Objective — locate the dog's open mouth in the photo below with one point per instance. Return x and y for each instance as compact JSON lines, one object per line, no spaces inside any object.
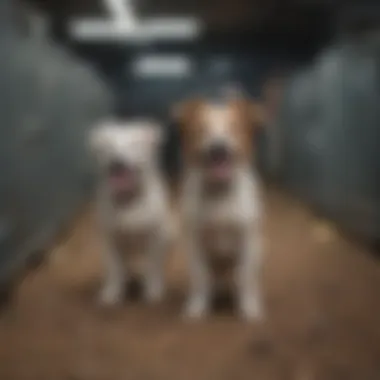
{"x":220,"y":171}
{"x":219,"y":165}
{"x":122,"y":179}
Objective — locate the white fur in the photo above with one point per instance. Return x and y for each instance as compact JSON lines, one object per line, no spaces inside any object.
{"x":135,"y":142}
{"x":240,"y":206}
{"x":218,"y":120}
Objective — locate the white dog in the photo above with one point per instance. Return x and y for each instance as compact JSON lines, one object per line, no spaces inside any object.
{"x":221,"y":202}
{"x":134,"y":207}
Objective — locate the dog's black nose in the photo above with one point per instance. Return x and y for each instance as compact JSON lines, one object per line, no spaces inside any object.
{"x":218,"y":151}
{"x":116,"y":166}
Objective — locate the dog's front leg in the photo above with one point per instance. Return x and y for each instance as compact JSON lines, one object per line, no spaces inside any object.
{"x":112,"y":291}
{"x":199,"y":300}
{"x":248,"y":275}
{"x":155,"y":274}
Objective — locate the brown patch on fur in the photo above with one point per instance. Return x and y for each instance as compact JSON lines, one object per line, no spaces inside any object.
{"x":188,"y":115}
{"x":245,"y":119}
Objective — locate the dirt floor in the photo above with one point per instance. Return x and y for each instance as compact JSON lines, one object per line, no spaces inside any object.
{"x":323,"y":317}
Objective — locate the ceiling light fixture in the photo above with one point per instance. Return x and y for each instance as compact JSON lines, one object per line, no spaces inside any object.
{"x":153,"y":66}
{"x":122,"y":24}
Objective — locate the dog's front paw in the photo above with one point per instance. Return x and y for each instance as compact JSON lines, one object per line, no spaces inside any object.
{"x":196,"y":309}
{"x":110,"y":297}
{"x":250,"y":309}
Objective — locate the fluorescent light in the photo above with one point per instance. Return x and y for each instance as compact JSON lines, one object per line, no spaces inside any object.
{"x":100,"y":29}
{"x":171,"y":28}
{"x":122,"y":24}
{"x":148,"y":30}
{"x":162,"y":66}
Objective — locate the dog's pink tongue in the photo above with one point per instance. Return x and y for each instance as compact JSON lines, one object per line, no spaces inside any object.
{"x":120,"y":183}
{"x":221,"y":171}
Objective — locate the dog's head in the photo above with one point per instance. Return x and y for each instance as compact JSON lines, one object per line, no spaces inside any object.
{"x":126,"y":153}
{"x":218,"y":138}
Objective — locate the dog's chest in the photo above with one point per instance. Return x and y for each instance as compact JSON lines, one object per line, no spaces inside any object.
{"x":133,"y":219}
{"x":139,"y":214}
{"x":220,"y":211}
{"x":134,"y":248}
{"x":220,"y":228}
{"x":132,"y":243}
{"x":221,"y":244}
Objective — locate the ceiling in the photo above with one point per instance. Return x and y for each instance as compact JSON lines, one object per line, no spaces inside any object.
{"x":218,"y":15}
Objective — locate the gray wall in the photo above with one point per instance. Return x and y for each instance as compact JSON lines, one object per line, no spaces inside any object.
{"x":49,"y":101}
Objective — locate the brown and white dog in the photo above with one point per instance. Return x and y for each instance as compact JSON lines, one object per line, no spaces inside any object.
{"x":133,"y":205}
{"x":222,"y":205}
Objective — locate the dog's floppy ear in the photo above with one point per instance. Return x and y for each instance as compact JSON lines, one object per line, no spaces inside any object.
{"x":252,"y":112}
{"x":183,"y":113}
{"x":258,"y":115}
{"x":98,"y":137}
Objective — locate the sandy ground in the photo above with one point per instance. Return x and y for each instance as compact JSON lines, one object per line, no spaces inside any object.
{"x":323,"y":316}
